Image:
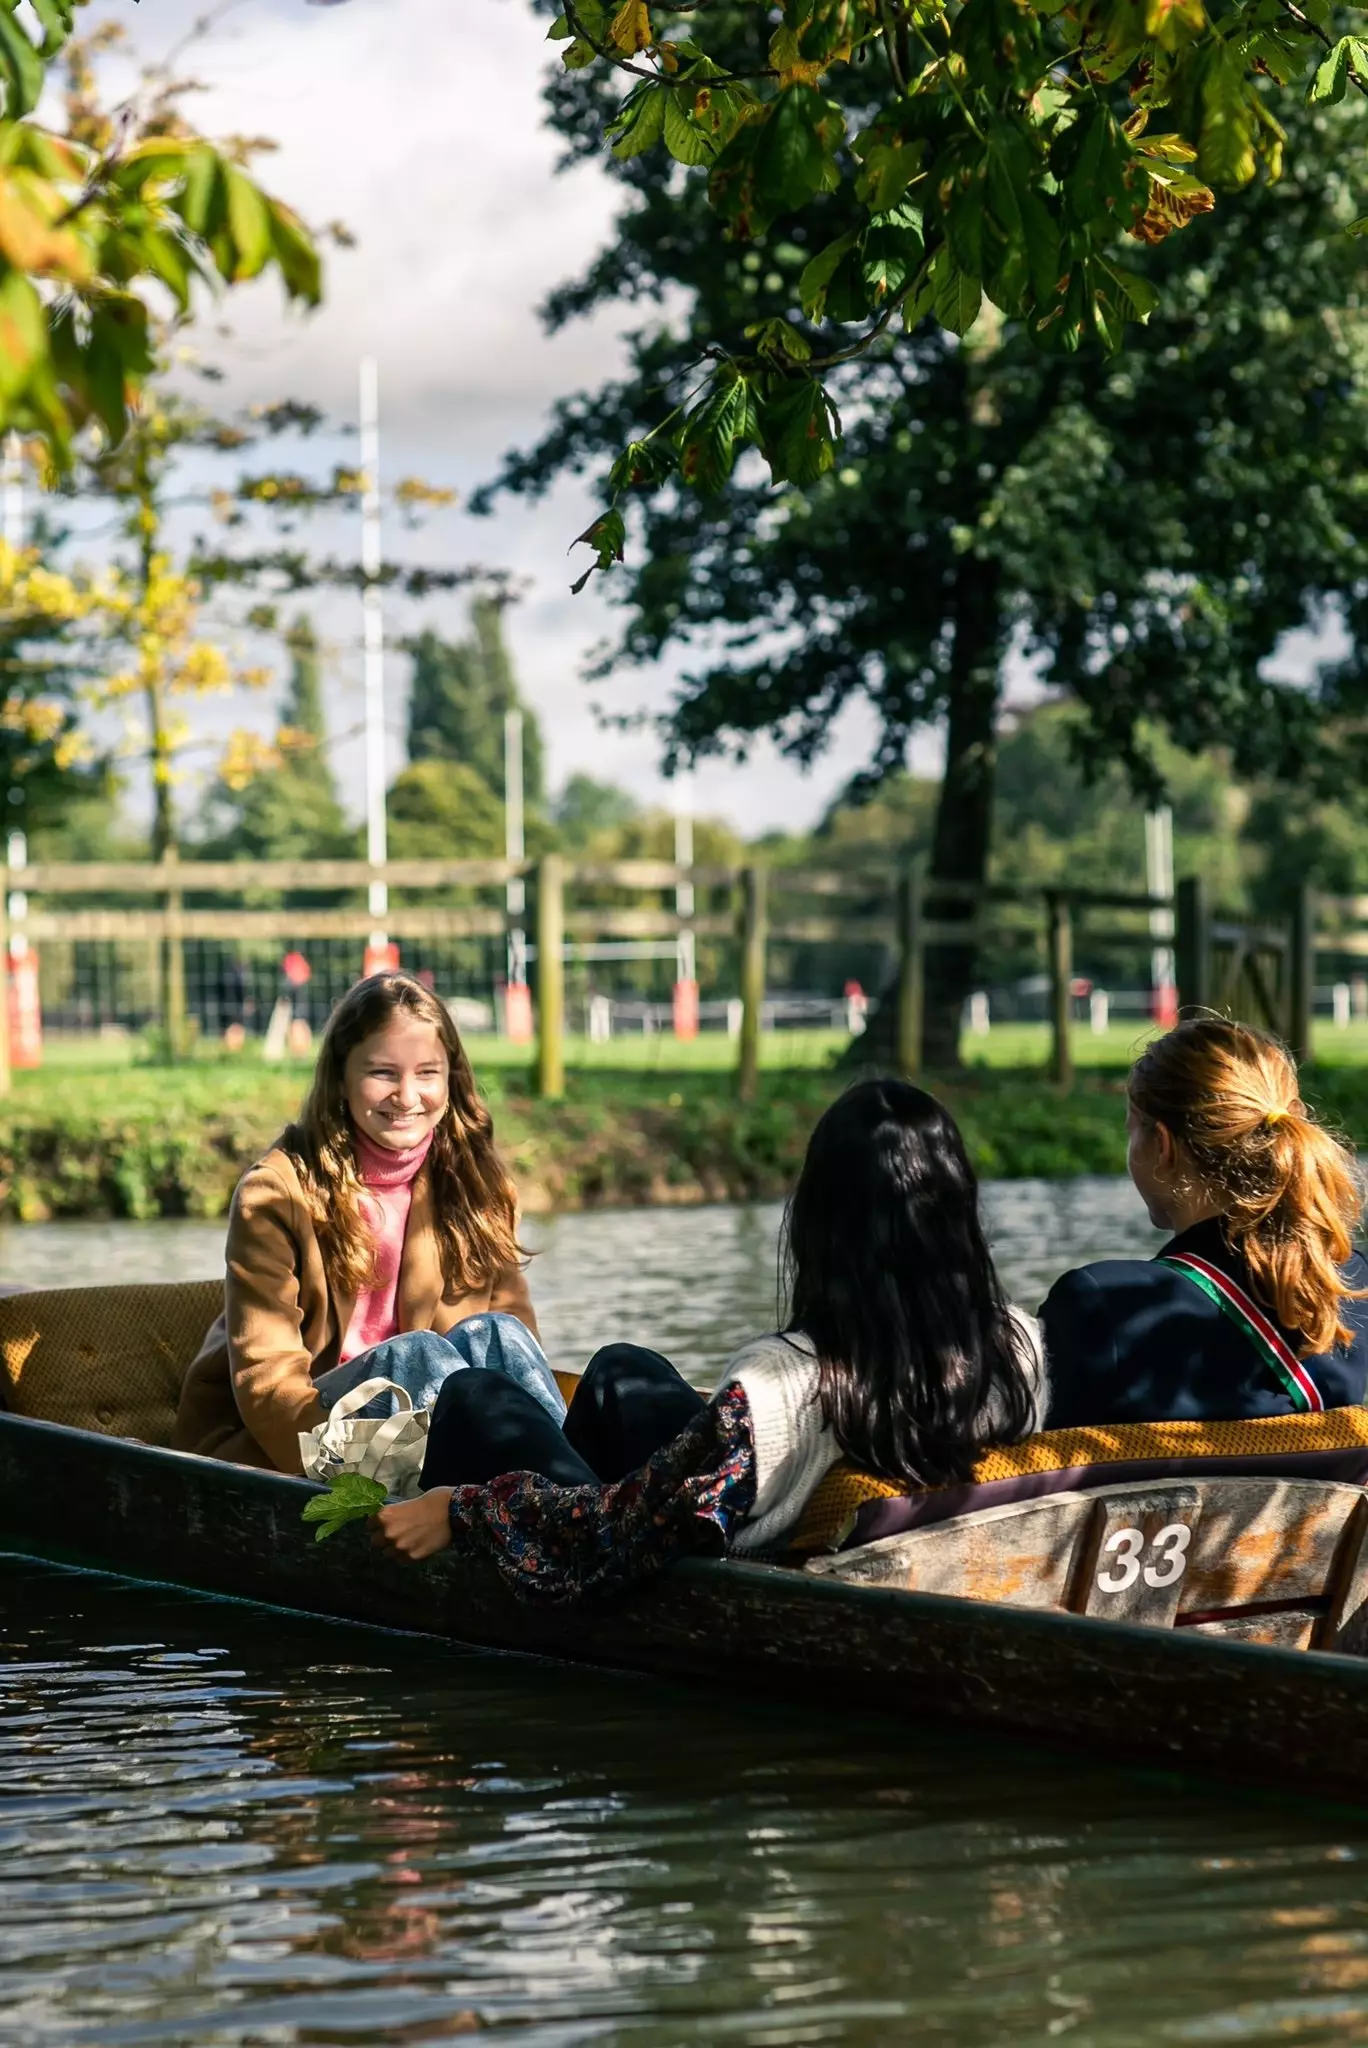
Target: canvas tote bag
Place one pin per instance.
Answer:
(390, 1449)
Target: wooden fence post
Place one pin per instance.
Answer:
(551, 977)
(1301, 973)
(1061, 988)
(752, 980)
(5, 1075)
(1192, 944)
(911, 966)
(174, 981)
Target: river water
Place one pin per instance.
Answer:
(222, 1826)
(695, 1283)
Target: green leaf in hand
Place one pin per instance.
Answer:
(349, 1498)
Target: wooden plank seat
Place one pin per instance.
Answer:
(1261, 1560)
(1249, 1529)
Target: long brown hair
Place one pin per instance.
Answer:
(1290, 1194)
(473, 1201)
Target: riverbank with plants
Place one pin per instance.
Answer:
(140, 1141)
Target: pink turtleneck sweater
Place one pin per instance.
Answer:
(389, 1178)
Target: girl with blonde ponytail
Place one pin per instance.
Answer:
(1259, 1303)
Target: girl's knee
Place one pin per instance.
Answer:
(412, 1347)
(612, 1365)
(472, 1389)
(609, 1361)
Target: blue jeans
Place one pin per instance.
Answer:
(421, 1362)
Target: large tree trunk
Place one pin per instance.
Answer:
(962, 839)
(963, 835)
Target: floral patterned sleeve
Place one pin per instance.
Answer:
(566, 1543)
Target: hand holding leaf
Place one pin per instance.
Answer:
(349, 1498)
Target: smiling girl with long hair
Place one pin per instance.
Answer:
(377, 1238)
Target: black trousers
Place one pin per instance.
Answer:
(629, 1402)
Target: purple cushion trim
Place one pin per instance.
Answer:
(923, 1510)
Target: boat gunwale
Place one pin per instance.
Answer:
(800, 1585)
(1142, 1695)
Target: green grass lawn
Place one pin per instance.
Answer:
(657, 1052)
(1028, 1045)
(114, 1068)
(98, 1130)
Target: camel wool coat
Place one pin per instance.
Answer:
(250, 1389)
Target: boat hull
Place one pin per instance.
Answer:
(1131, 1693)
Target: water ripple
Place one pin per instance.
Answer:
(219, 1828)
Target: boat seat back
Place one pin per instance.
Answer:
(1265, 1560)
(109, 1359)
(1256, 1529)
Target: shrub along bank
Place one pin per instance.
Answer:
(142, 1142)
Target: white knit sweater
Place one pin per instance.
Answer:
(794, 1449)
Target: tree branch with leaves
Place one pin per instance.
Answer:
(983, 150)
(126, 214)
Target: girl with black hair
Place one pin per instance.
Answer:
(898, 1352)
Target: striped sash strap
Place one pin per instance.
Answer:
(1246, 1314)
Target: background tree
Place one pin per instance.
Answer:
(586, 809)
(290, 808)
(150, 480)
(48, 770)
(459, 694)
(1148, 527)
(921, 154)
(444, 810)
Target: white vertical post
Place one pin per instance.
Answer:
(16, 855)
(684, 1007)
(1159, 882)
(515, 847)
(686, 968)
(16, 858)
(13, 474)
(373, 626)
(12, 480)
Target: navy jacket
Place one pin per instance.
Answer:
(1130, 1341)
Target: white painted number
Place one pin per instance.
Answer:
(1128, 1543)
(1170, 1546)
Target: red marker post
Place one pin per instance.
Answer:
(380, 959)
(518, 1013)
(25, 1009)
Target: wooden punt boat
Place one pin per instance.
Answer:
(1063, 1618)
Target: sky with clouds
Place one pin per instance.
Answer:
(418, 123)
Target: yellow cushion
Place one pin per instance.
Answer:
(109, 1359)
(830, 1514)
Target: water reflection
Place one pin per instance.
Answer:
(220, 1826)
(693, 1282)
